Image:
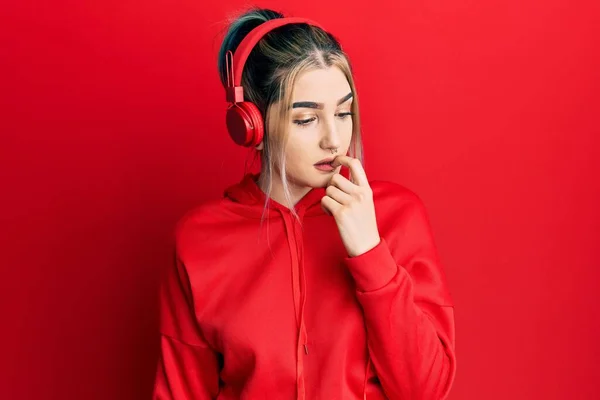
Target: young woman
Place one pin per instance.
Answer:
(303, 282)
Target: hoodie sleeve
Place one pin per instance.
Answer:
(408, 311)
(187, 367)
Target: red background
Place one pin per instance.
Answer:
(113, 126)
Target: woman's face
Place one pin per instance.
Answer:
(320, 122)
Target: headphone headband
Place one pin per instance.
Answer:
(253, 37)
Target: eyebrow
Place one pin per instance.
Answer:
(319, 106)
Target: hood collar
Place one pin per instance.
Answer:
(248, 199)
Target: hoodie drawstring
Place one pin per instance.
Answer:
(295, 242)
(366, 375)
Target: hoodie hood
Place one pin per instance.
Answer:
(249, 200)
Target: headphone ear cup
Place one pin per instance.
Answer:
(257, 123)
(245, 124)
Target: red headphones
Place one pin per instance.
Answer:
(244, 121)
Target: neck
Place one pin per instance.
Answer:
(277, 193)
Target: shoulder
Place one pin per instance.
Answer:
(387, 192)
(403, 221)
(399, 205)
(195, 225)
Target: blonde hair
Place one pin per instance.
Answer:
(269, 76)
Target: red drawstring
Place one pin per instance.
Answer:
(303, 335)
(299, 292)
(366, 375)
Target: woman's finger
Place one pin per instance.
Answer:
(338, 195)
(330, 205)
(358, 174)
(342, 183)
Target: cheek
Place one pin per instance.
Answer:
(300, 141)
(298, 155)
(347, 136)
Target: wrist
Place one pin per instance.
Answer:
(367, 247)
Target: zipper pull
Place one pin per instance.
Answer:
(306, 348)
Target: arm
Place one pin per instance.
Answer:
(187, 367)
(408, 310)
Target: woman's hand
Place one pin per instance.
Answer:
(350, 202)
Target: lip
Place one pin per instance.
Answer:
(325, 167)
(325, 160)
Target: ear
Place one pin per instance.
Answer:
(260, 146)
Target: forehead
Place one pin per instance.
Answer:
(321, 85)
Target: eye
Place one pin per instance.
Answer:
(344, 115)
(304, 122)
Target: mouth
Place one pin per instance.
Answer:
(325, 165)
(327, 160)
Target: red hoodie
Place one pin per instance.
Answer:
(280, 311)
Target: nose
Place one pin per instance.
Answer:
(330, 136)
